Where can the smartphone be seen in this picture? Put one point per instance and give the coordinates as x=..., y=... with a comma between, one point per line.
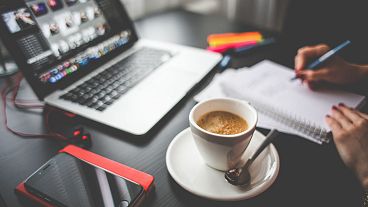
x=68, y=182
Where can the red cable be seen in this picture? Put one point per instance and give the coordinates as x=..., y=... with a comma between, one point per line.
x=4, y=93
x=18, y=104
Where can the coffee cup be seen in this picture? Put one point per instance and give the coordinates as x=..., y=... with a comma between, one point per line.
x=222, y=151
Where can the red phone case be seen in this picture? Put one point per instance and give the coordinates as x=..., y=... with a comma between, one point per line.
x=144, y=179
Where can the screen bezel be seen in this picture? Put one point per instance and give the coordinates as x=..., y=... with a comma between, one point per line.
x=43, y=170
x=42, y=89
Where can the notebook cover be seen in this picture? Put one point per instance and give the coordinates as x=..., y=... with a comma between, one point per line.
x=144, y=179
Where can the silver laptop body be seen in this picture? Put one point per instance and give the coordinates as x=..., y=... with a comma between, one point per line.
x=61, y=45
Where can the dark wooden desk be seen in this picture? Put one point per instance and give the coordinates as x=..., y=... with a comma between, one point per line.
x=310, y=174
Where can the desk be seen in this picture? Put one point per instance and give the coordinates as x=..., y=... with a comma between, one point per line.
x=310, y=174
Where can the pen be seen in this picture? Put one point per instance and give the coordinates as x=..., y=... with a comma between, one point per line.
x=327, y=56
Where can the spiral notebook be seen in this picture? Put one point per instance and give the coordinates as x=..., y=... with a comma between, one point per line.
x=281, y=103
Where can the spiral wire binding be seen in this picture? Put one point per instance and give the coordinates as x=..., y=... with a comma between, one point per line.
x=293, y=121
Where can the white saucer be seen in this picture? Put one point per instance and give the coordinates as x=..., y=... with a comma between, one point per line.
x=188, y=169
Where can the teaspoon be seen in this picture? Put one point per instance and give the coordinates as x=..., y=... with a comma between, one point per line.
x=241, y=176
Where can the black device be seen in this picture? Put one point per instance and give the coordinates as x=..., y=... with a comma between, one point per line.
x=71, y=129
x=68, y=181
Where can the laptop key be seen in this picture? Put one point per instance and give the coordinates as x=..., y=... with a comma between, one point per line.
x=94, y=99
x=109, y=82
x=101, y=94
x=82, y=101
x=99, y=87
x=97, y=104
x=102, y=80
x=75, y=90
x=80, y=93
x=73, y=98
x=106, y=98
x=105, y=84
x=66, y=96
x=108, y=76
x=113, y=93
x=87, y=89
x=89, y=103
x=93, y=91
x=110, y=102
x=122, y=90
x=109, y=89
x=102, y=108
x=87, y=96
x=114, y=85
x=117, y=96
x=94, y=85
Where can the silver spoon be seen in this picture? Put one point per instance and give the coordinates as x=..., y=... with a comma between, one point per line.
x=241, y=176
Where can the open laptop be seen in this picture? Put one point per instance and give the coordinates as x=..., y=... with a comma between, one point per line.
x=84, y=56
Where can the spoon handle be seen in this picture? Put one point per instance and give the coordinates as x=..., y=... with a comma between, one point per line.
x=269, y=138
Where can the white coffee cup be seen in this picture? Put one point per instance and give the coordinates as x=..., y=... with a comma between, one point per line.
x=222, y=152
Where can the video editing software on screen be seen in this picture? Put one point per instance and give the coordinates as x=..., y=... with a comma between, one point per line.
x=50, y=31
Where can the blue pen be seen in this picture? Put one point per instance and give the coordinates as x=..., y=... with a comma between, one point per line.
x=327, y=56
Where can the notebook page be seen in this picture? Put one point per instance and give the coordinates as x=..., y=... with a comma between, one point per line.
x=270, y=83
x=267, y=121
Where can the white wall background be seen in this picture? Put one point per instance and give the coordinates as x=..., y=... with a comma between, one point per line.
x=139, y=8
x=266, y=14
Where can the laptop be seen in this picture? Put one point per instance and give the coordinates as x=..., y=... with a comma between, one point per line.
x=84, y=56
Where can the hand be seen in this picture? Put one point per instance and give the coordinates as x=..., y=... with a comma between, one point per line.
x=350, y=133
x=336, y=71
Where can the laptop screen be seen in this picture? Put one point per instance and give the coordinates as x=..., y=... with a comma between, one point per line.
x=57, y=39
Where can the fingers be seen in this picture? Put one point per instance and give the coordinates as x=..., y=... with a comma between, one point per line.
x=358, y=113
x=342, y=118
x=345, y=117
x=317, y=75
x=305, y=54
x=333, y=123
x=351, y=114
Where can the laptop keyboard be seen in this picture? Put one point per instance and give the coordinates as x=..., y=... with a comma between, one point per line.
x=103, y=89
